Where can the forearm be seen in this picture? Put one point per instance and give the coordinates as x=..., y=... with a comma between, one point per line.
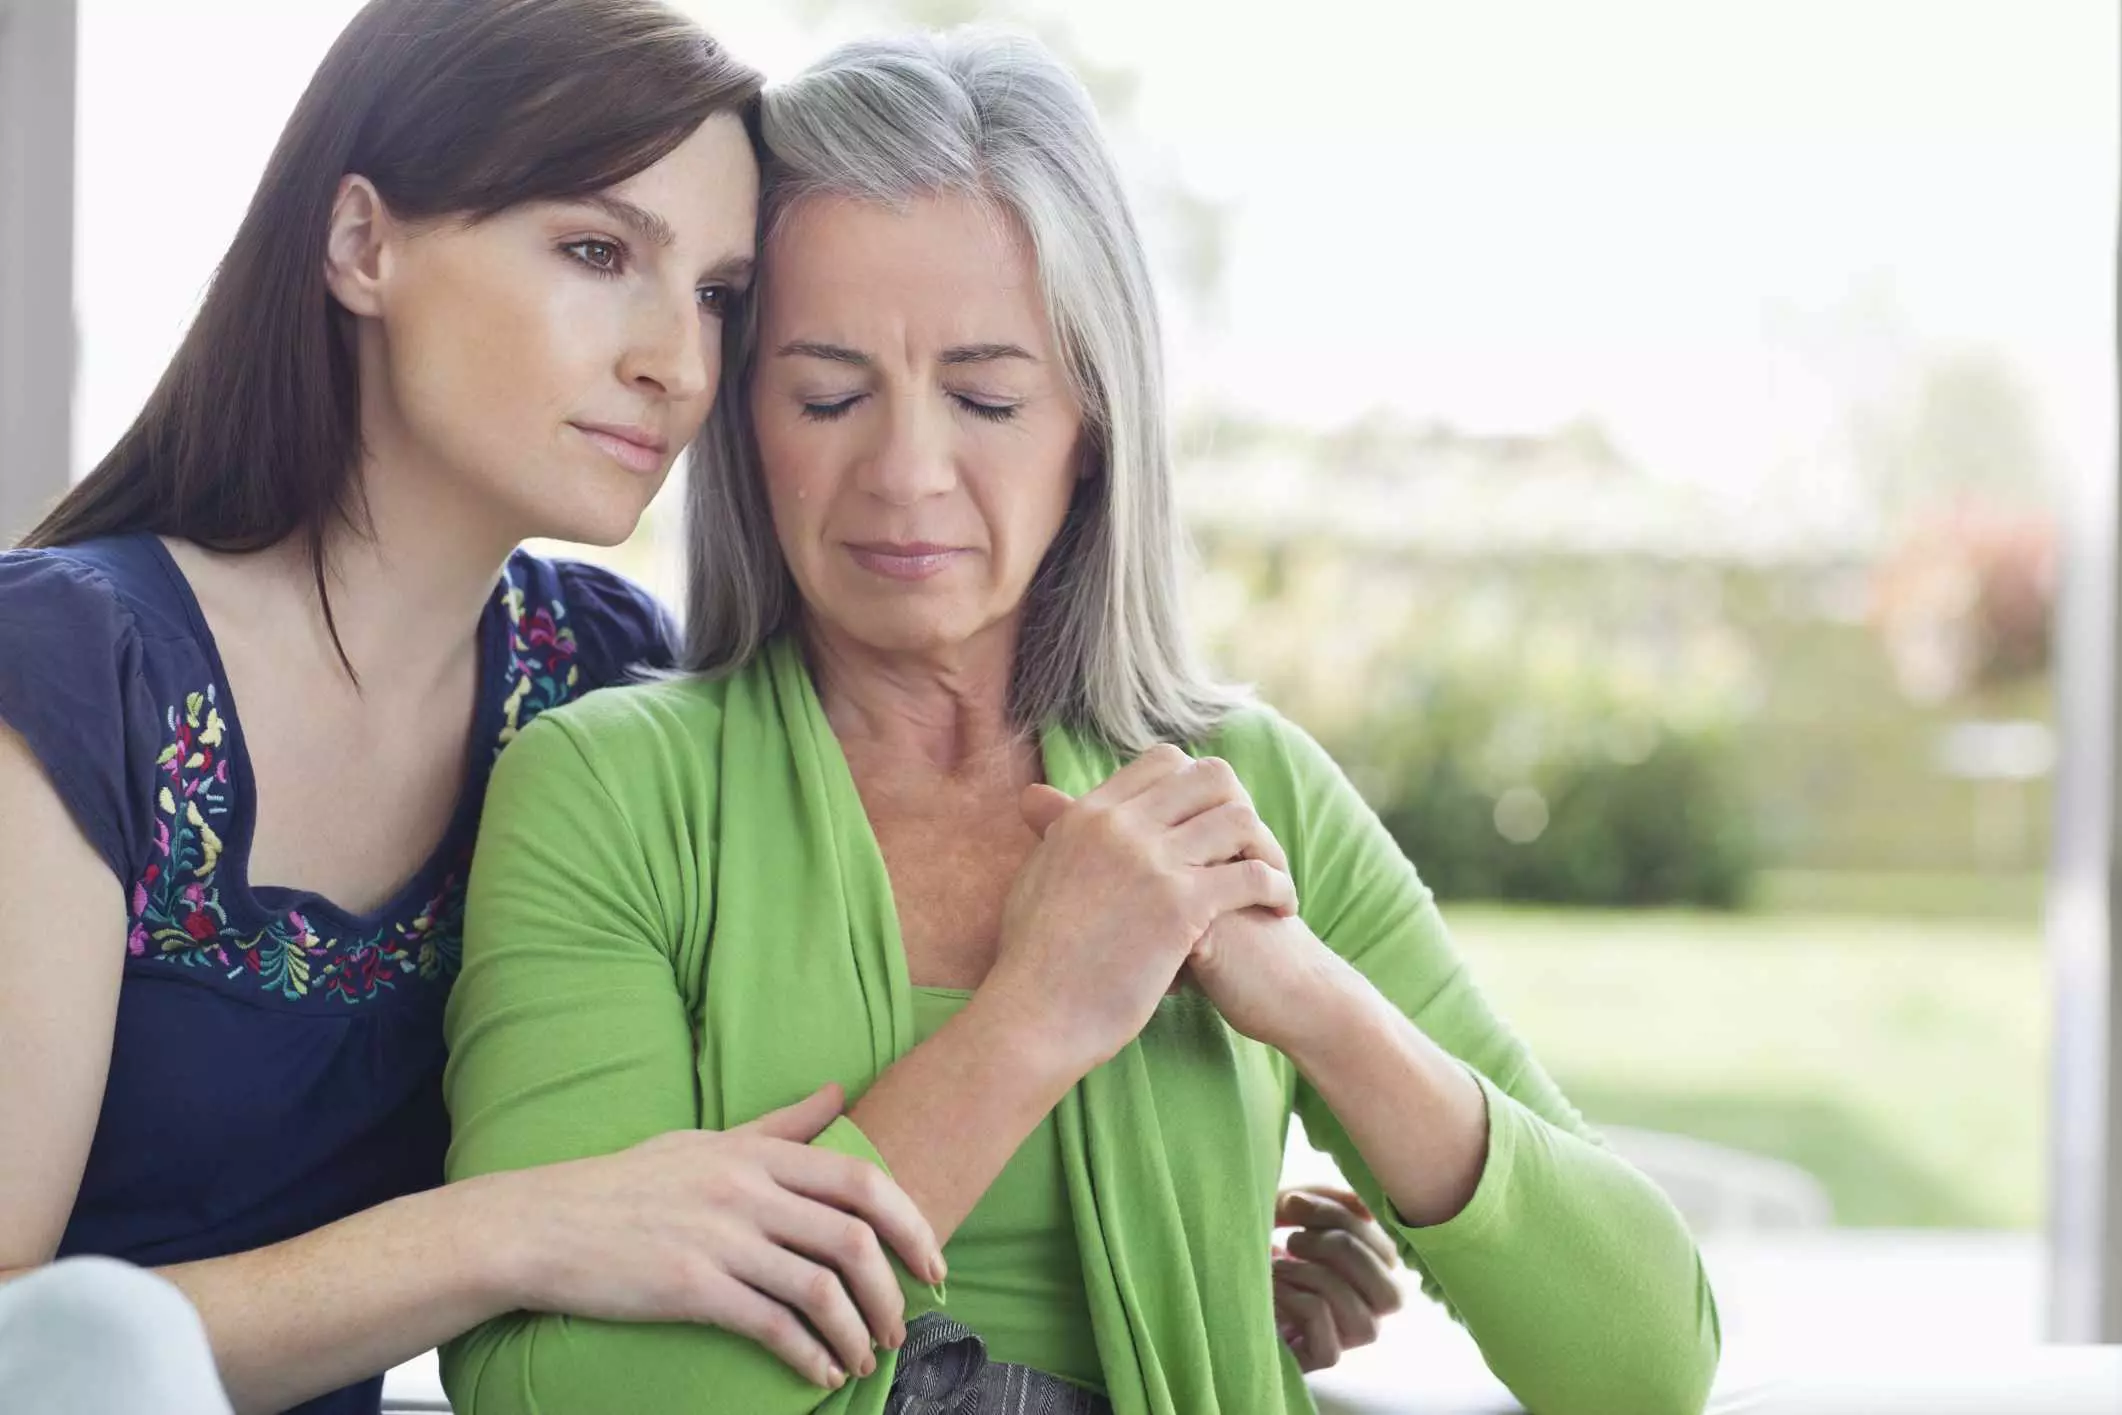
x=397, y=1280
x=1414, y=1113
x=1572, y=1271
x=945, y=1139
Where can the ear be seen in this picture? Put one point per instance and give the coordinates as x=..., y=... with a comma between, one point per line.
x=356, y=246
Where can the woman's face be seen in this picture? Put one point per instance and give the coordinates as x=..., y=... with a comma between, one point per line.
x=919, y=437
x=551, y=361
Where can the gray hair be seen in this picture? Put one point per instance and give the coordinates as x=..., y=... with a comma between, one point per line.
x=1103, y=646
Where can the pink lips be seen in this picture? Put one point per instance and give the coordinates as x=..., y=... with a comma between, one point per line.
x=913, y=560
x=635, y=448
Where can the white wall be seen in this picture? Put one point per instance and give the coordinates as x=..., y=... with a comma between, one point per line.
x=37, y=46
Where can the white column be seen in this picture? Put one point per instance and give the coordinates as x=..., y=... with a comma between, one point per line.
x=37, y=48
x=2084, y=903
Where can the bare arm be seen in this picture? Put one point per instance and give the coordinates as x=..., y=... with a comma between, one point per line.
x=65, y=929
x=399, y=1278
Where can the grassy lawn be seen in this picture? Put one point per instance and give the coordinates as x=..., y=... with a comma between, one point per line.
x=1902, y=1062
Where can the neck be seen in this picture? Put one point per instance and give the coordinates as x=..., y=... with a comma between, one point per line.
x=948, y=709
x=409, y=585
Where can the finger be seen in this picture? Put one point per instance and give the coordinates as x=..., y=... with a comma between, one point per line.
x=1042, y=805
x=1247, y=884
x=1230, y=831
x=1321, y=1344
x=1145, y=771
x=741, y=1308
x=852, y=1248
x=1292, y=1334
x=813, y=1290
x=1354, y=1261
x=1355, y=1323
x=1202, y=784
x=1333, y=1209
x=869, y=1194
x=801, y=1122
x=1314, y=1205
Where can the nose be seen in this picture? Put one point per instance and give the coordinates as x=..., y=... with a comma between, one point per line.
x=912, y=458
x=671, y=348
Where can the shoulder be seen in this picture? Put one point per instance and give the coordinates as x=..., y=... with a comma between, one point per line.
x=608, y=624
x=1270, y=752
x=636, y=739
x=94, y=643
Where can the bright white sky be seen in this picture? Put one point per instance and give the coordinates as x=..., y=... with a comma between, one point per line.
x=1711, y=223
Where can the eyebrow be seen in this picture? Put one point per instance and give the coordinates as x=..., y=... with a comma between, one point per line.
x=646, y=224
x=958, y=354
x=639, y=219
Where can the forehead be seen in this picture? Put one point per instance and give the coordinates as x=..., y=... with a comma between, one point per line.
x=706, y=189
x=945, y=260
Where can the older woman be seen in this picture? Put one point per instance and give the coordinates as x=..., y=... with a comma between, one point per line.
x=947, y=817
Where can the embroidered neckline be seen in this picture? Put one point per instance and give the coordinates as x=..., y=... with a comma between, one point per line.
x=178, y=915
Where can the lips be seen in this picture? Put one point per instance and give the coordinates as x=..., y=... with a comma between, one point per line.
x=637, y=449
x=908, y=560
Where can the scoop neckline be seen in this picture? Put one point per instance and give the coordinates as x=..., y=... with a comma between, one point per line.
x=426, y=881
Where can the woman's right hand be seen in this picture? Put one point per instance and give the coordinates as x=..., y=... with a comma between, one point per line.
x=1122, y=885
x=751, y=1229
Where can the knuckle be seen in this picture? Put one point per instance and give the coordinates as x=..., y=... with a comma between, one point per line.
x=857, y=1240
x=820, y=1288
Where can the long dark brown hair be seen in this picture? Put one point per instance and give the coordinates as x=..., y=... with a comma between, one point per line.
x=457, y=108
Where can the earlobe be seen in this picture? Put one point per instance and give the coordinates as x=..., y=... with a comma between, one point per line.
x=355, y=246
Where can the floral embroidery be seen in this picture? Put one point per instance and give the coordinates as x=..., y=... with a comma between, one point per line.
x=177, y=912
x=176, y=905
x=541, y=660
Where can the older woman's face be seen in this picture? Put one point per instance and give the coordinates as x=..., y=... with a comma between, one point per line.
x=919, y=436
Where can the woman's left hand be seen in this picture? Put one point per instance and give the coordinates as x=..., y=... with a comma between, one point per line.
x=1268, y=974
x=1334, y=1279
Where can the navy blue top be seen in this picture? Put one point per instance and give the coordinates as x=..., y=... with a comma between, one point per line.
x=278, y=1059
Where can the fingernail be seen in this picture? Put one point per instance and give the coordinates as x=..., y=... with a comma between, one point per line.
x=835, y=1377
x=869, y=1365
x=938, y=1270
x=1289, y=1333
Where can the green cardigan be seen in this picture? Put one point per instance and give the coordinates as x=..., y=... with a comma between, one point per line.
x=679, y=917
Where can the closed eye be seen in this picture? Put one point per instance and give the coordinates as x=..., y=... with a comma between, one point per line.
x=993, y=412
x=825, y=411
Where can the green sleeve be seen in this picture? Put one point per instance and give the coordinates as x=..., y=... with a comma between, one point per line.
x=570, y=1035
x=1574, y=1273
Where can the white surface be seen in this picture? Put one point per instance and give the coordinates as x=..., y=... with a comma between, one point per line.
x=1839, y=1322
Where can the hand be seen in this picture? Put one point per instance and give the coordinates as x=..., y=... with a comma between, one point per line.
x=1334, y=1280
x=750, y=1229
x=1270, y=976
x=1122, y=886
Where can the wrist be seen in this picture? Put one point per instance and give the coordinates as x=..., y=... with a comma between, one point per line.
x=1045, y=1050
x=1330, y=1010
x=498, y=1263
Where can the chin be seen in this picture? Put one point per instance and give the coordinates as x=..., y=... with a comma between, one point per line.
x=911, y=633
x=606, y=518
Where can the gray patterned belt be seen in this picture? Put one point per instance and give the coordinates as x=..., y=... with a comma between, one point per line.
x=943, y=1370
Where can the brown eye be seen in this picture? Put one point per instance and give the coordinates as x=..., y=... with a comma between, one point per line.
x=601, y=256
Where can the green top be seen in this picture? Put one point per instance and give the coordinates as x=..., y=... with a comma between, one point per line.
x=1014, y=1274
x=678, y=916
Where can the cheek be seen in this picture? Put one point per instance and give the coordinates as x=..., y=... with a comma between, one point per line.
x=795, y=463
x=483, y=360
x=1028, y=498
